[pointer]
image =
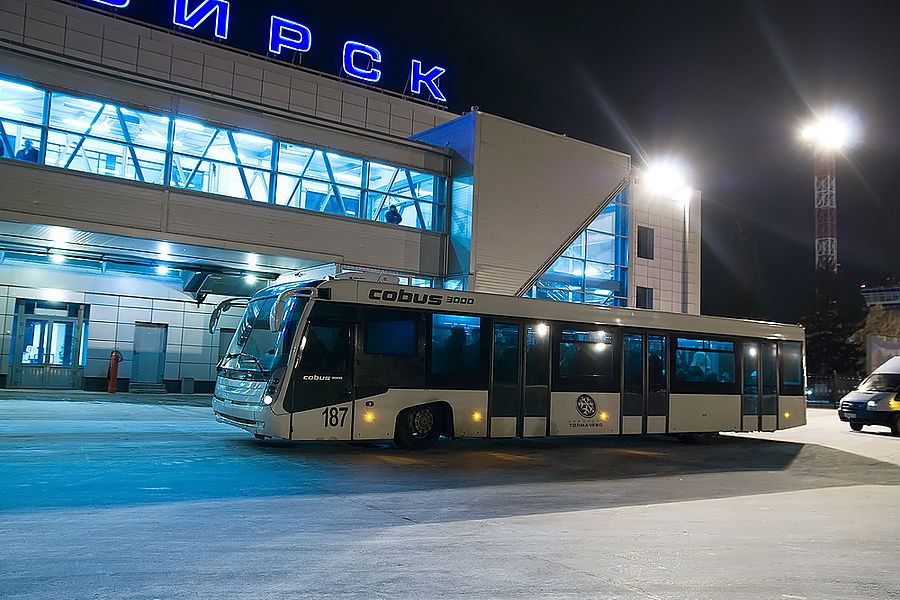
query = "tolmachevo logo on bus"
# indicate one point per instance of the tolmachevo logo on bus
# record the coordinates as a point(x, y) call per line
point(414, 297)
point(587, 408)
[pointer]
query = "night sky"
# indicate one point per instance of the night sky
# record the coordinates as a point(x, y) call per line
point(722, 84)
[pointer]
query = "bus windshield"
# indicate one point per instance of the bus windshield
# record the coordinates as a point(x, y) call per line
point(881, 382)
point(255, 347)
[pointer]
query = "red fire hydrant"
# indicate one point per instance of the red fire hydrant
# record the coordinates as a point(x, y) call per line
point(112, 373)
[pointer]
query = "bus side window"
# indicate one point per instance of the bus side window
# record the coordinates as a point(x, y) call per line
point(391, 335)
point(792, 368)
point(585, 361)
point(392, 351)
point(704, 366)
point(456, 351)
point(324, 349)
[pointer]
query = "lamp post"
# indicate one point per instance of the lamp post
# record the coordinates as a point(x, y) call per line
point(828, 134)
point(669, 179)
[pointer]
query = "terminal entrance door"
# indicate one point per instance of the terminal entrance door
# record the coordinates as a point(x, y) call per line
point(149, 360)
point(519, 403)
point(47, 346)
point(645, 388)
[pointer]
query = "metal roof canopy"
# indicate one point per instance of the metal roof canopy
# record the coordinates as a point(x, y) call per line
point(203, 270)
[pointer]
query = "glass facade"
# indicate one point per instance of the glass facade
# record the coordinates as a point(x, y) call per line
point(594, 268)
point(95, 137)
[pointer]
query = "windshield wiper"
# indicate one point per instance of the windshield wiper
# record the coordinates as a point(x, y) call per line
point(238, 355)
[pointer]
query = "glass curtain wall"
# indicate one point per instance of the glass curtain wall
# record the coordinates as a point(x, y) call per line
point(594, 268)
point(96, 137)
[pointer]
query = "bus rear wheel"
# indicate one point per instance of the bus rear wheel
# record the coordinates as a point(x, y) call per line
point(895, 425)
point(418, 427)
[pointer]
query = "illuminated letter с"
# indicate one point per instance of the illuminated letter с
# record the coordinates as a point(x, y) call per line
point(370, 74)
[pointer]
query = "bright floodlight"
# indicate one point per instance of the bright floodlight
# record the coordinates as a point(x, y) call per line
point(667, 178)
point(833, 131)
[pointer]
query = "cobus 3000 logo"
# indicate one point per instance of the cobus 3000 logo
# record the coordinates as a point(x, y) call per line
point(416, 297)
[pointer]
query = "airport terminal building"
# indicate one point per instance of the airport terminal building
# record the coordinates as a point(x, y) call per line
point(150, 172)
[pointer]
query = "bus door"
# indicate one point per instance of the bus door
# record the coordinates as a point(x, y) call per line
point(320, 394)
point(760, 387)
point(519, 401)
point(645, 388)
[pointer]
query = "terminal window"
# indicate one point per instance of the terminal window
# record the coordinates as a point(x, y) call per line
point(102, 138)
point(645, 242)
point(644, 297)
point(593, 269)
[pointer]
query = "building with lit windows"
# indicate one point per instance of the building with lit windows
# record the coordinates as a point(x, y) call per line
point(148, 174)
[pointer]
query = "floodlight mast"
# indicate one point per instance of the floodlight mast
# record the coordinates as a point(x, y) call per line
point(828, 134)
point(826, 210)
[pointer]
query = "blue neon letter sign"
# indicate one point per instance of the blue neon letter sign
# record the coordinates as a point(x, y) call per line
point(417, 78)
point(203, 11)
point(370, 74)
point(114, 3)
point(285, 33)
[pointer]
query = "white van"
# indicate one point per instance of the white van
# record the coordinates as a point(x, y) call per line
point(877, 399)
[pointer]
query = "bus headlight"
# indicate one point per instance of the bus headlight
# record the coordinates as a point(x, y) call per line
point(267, 399)
point(872, 405)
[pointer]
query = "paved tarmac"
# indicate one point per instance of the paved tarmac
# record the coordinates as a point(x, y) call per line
point(114, 500)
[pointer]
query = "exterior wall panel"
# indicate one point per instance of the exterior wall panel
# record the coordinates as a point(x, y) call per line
point(35, 194)
point(533, 190)
point(46, 25)
point(669, 271)
point(191, 351)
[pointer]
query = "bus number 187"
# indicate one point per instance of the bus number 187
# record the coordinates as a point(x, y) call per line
point(334, 416)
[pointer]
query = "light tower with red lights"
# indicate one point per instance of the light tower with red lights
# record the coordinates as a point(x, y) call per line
point(829, 135)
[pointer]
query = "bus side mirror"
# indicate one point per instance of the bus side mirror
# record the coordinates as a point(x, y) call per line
point(276, 317)
point(223, 306)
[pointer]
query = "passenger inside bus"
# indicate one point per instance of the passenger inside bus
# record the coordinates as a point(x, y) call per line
point(708, 367)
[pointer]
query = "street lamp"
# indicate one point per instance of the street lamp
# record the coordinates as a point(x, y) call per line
point(828, 134)
point(669, 178)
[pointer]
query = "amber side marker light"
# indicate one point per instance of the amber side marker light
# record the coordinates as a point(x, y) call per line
point(369, 417)
point(787, 415)
point(476, 416)
point(604, 416)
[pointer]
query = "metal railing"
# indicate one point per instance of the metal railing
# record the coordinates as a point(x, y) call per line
point(827, 390)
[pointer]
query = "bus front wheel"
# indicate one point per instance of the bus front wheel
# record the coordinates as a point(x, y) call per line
point(856, 426)
point(418, 427)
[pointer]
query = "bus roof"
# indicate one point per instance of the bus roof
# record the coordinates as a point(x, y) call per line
point(439, 300)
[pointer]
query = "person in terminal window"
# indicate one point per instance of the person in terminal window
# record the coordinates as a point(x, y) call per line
point(28, 152)
point(392, 215)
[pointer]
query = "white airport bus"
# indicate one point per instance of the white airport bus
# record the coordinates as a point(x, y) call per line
point(367, 359)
